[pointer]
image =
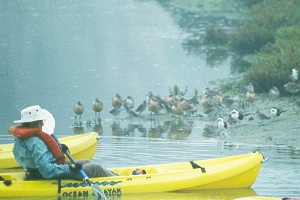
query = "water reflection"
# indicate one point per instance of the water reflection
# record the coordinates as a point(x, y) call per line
point(172, 128)
point(180, 130)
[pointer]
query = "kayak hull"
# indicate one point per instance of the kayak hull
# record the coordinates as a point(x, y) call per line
point(227, 172)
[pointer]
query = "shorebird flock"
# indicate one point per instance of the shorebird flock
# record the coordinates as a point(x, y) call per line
point(225, 109)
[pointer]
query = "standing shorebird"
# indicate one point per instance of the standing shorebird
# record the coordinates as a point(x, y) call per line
point(185, 105)
point(128, 103)
point(237, 116)
point(250, 97)
point(262, 117)
point(276, 112)
point(78, 109)
point(97, 107)
point(153, 105)
point(274, 93)
point(221, 125)
point(116, 101)
point(141, 108)
point(292, 87)
point(176, 109)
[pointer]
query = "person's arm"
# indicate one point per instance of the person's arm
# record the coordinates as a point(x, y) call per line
point(44, 160)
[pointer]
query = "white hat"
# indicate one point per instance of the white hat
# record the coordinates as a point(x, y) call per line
point(33, 113)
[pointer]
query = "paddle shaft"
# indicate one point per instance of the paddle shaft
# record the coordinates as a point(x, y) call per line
point(97, 190)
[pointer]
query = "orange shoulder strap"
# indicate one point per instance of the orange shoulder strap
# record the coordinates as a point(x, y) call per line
point(26, 132)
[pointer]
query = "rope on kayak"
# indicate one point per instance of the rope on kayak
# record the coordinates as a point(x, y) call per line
point(6, 182)
point(196, 166)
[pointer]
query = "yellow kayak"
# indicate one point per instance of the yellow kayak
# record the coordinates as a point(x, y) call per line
point(81, 146)
point(238, 171)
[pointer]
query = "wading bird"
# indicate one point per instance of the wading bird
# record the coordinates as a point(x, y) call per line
point(97, 107)
point(78, 109)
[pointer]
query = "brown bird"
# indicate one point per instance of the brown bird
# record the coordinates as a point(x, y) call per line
point(185, 105)
point(170, 100)
point(207, 102)
point(176, 109)
point(97, 107)
point(250, 97)
point(153, 105)
point(117, 101)
point(78, 109)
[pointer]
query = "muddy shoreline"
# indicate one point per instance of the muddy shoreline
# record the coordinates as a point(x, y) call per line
point(284, 130)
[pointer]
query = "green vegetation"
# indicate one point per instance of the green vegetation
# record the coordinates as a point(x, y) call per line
point(272, 33)
point(274, 64)
point(263, 36)
point(215, 36)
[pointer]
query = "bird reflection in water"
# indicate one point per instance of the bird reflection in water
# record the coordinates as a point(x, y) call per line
point(116, 129)
point(129, 130)
point(98, 129)
point(78, 130)
point(180, 130)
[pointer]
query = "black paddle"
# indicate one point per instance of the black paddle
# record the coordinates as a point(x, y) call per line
point(48, 127)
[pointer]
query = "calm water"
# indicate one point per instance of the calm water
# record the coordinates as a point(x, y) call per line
point(57, 53)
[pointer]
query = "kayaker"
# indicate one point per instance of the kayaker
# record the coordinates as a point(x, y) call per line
point(41, 156)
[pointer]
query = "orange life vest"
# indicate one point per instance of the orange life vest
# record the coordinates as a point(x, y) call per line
point(26, 132)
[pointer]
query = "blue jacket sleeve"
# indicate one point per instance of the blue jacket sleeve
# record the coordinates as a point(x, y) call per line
point(44, 159)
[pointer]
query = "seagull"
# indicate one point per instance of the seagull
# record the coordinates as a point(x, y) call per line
point(294, 75)
point(116, 101)
point(237, 116)
point(274, 92)
point(292, 87)
point(276, 112)
point(262, 116)
point(128, 103)
point(141, 108)
point(78, 109)
point(221, 125)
